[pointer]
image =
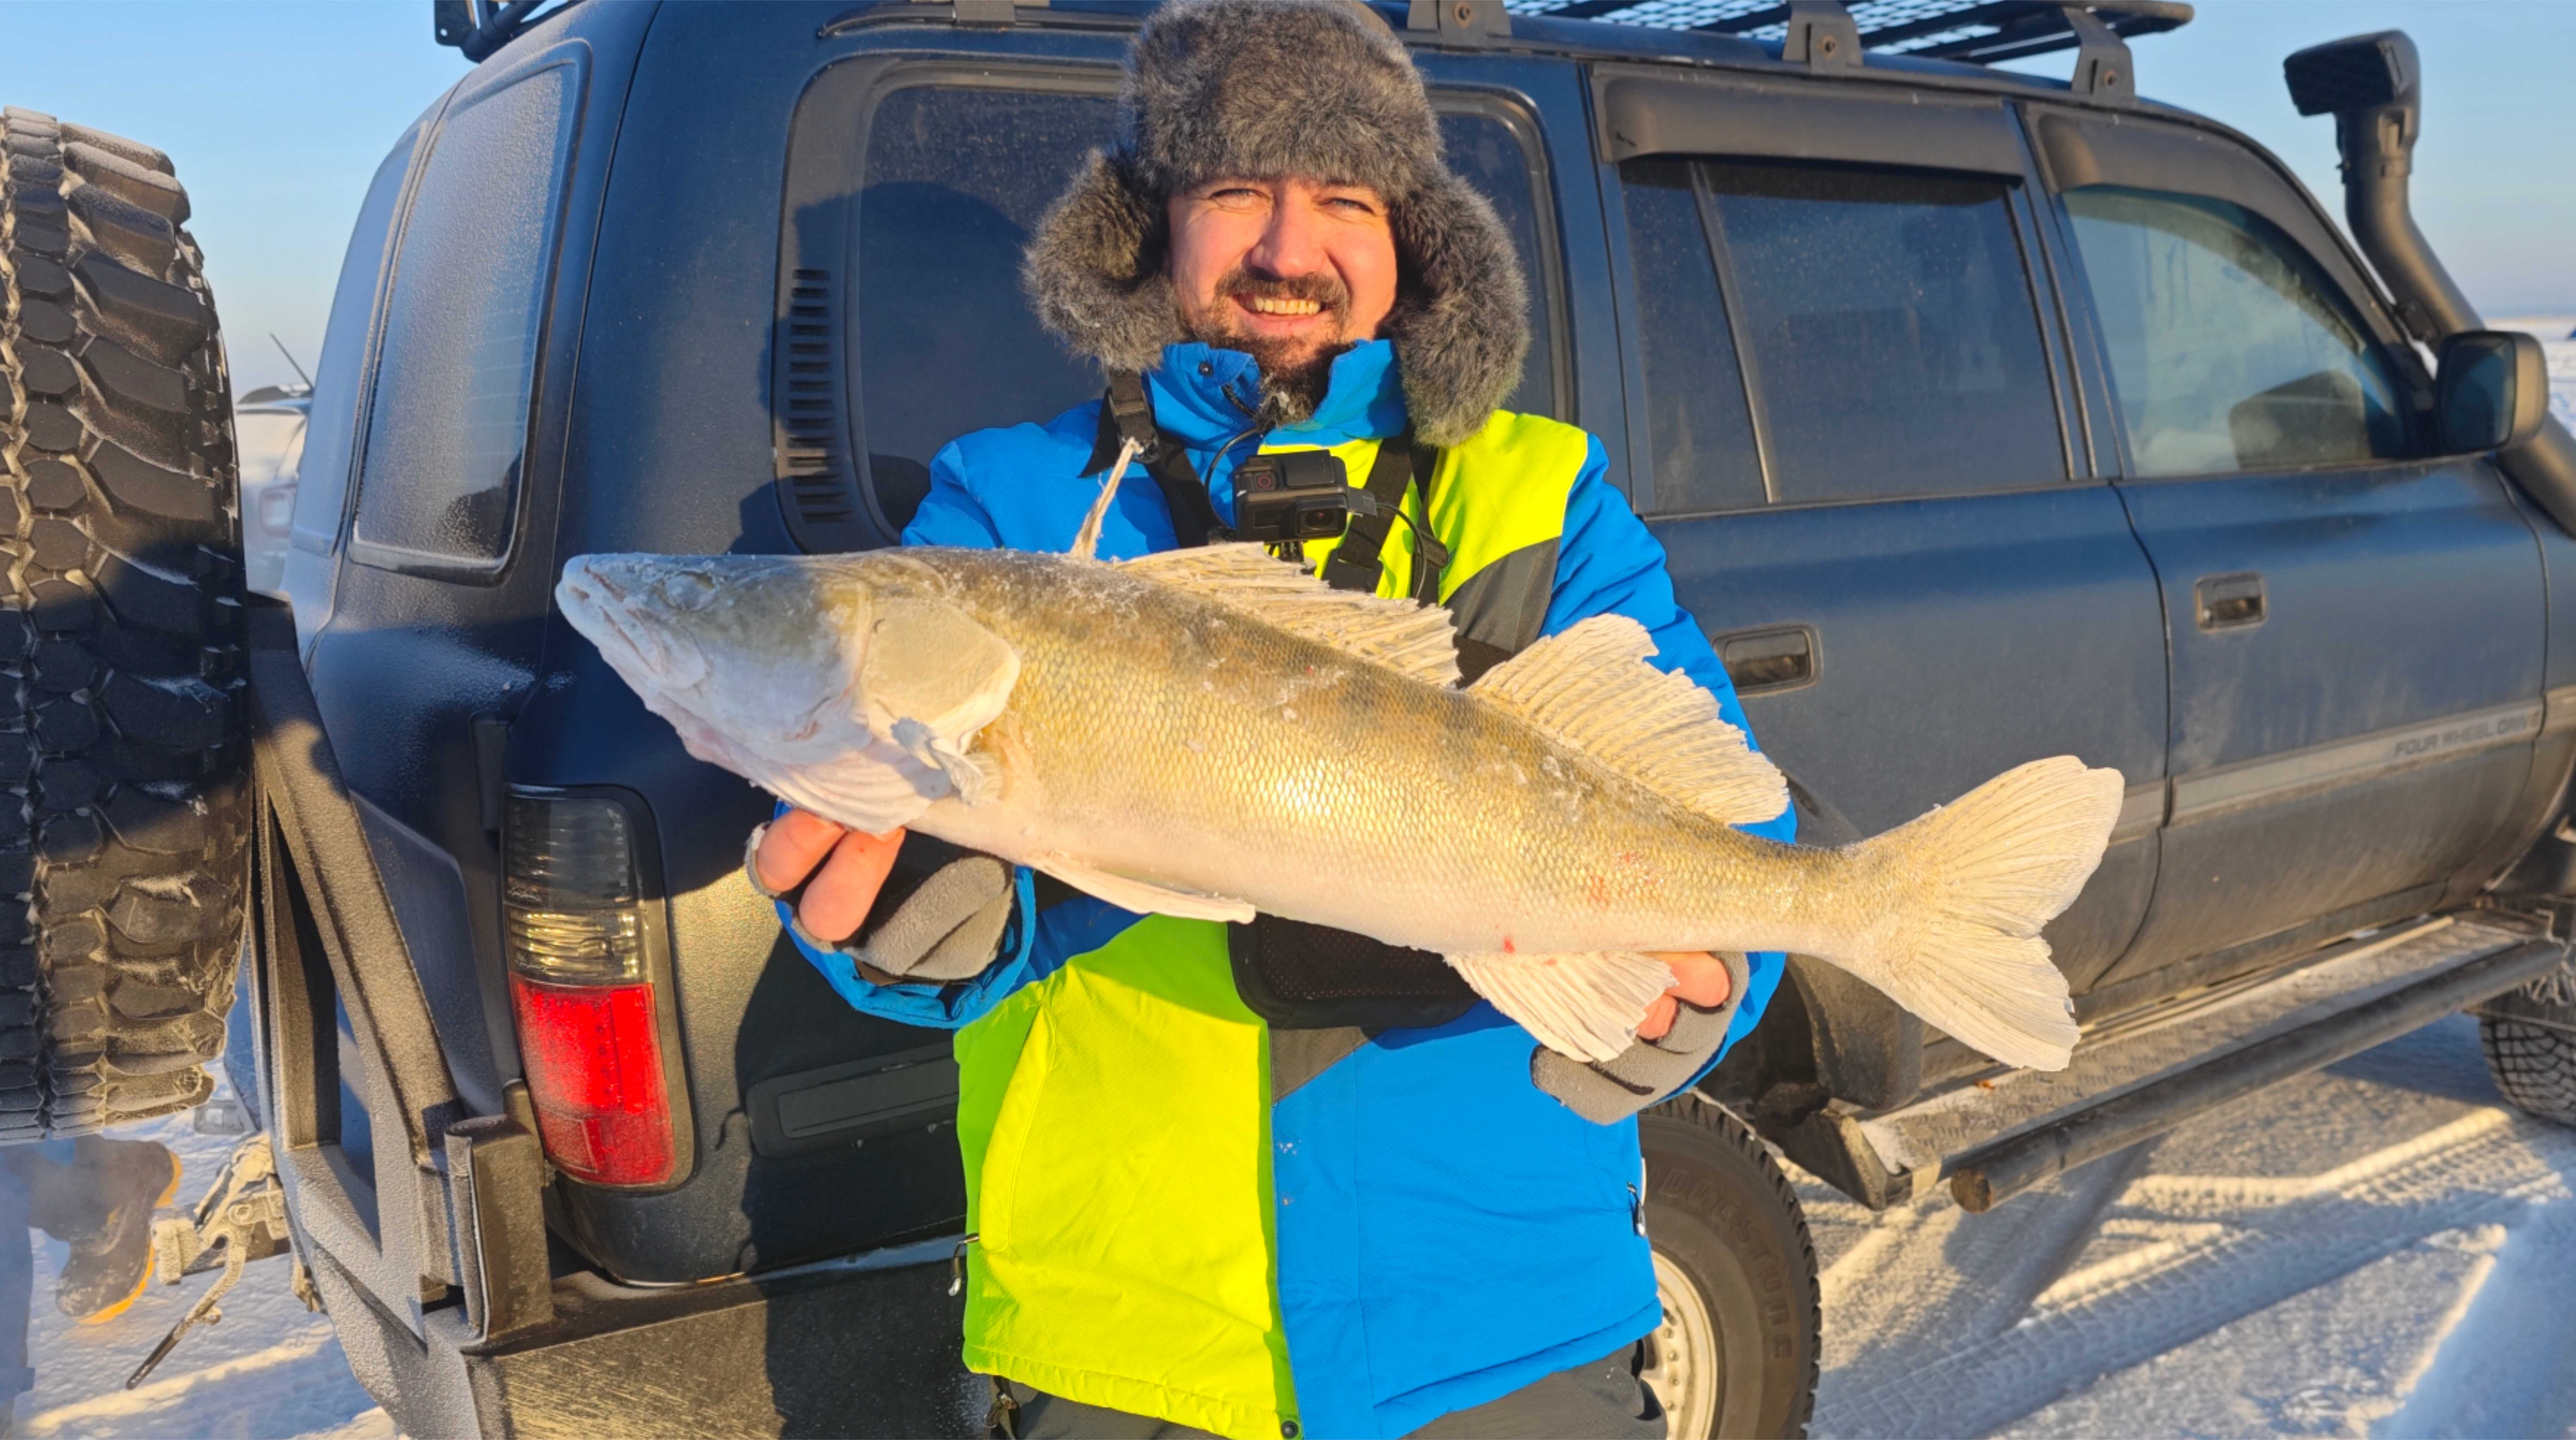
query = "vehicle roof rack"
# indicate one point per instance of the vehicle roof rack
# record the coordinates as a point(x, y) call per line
point(1980, 32)
point(479, 27)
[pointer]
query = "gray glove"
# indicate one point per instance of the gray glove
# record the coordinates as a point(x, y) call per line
point(1608, 1091)
point(939, 918)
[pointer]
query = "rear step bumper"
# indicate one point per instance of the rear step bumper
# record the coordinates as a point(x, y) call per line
point(865, 1346)
point(2141, 1075)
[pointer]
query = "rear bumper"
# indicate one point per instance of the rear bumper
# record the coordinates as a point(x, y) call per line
point(864, 1347)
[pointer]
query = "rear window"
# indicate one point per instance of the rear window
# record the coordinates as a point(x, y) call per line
point(342, 368)
point(1883, 322)
point(954, 179)
point(440, 480)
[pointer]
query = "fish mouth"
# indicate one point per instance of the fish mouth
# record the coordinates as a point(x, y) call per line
point(613, 611)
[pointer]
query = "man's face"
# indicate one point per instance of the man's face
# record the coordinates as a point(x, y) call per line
point(1289, 271)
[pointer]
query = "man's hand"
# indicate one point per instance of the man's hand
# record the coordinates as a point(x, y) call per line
point(1683, 1030)
point(1698, 977)
point(949, 909)
point(854, 868)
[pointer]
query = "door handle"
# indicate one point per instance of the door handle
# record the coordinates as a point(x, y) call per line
point(2228, 602)
point(1781, 657)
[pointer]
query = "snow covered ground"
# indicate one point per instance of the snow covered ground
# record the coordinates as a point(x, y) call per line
point(2380, 1249)
point(268, 1369)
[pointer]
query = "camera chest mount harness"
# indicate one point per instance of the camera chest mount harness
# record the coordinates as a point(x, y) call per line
point(1284, 498)
point(1325, 991)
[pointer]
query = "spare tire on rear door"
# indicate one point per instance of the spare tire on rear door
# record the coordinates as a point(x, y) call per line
point(123, 762)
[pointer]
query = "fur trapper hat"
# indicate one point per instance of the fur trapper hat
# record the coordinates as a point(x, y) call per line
point(1269, 88)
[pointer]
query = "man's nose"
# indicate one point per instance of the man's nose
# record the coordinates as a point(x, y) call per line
point(1291, 244)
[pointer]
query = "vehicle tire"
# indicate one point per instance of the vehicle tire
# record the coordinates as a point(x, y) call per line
point(2534, 1063)
point(122, 747)
point(1737, 1354)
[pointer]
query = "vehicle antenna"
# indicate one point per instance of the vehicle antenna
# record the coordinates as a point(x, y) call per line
point(290, 359)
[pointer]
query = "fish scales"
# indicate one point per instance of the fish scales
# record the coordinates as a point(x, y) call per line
point(1211, 734)
point(1184, 739)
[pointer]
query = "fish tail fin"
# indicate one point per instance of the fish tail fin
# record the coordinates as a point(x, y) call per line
point(1979, 878)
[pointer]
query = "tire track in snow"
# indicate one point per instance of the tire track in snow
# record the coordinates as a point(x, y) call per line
point(2507, 1366)
point(1934, 1324)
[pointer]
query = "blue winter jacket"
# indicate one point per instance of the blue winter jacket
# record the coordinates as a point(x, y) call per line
point(1447, 1231)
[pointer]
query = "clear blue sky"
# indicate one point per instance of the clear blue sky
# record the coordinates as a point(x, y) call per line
point(278, 112)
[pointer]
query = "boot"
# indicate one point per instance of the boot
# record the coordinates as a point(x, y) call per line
point(112, 1262)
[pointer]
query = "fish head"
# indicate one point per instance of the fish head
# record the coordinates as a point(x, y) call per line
point(752, 658)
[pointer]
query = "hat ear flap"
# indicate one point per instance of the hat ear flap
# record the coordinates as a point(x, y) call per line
point(1461, 325)
point(1095, 271)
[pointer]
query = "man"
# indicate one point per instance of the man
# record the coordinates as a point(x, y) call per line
point(1247, 1183)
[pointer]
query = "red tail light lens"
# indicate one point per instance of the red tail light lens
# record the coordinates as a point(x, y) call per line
point(593, 1057)
point(582, 991)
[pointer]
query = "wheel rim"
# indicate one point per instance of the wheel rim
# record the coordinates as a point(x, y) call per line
point(1686, 1370)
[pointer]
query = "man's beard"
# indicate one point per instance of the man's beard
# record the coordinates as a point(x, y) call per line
point(1294, 373)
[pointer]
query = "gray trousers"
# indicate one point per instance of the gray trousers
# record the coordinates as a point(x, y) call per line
point(1601, 1401)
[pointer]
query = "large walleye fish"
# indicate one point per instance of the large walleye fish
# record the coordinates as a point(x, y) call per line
point(1206, 733)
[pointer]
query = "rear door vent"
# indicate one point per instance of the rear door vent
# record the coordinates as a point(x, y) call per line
point(818, 486)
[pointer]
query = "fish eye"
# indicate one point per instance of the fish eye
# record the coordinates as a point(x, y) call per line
point(688, 590)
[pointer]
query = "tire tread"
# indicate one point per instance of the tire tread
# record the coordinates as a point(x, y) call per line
point(124, 818)
point(2534, 1065)
point(1701, 1113)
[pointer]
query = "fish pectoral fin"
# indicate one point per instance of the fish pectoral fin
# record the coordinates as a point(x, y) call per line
point(1590, 687)
point(931, 679)
point(1144, 896)
point(873, 789)
point(971, 778)
point(1415, 639)
point(1585, 1005)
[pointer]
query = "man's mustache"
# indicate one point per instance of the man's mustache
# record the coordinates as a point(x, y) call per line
point(1323, 287)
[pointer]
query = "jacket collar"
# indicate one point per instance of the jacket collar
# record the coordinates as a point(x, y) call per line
point(1204, 397)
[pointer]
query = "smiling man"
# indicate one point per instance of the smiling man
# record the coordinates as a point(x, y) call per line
point(1276, 1180)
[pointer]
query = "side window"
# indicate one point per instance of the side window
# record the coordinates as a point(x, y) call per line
point(1882, 322)
point(1888, 320)
point(1696, 422)
point(440, 479)
point(955, 179)
point(2228, 349)
point(341, 370)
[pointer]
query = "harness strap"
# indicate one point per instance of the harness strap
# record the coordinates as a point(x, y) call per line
point(1127, 413)
point(1357, 562)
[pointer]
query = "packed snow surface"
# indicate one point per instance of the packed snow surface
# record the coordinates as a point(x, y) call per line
point(2382, 1248)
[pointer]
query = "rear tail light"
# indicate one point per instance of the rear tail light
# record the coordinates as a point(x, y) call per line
point(582, 987)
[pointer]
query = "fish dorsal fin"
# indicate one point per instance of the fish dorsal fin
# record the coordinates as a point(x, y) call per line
point(1415, 639)
point(1591, 688)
